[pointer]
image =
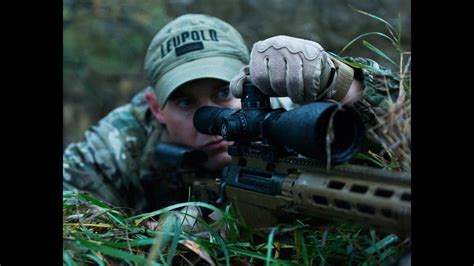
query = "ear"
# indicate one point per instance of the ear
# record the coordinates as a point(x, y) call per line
point(154, 106)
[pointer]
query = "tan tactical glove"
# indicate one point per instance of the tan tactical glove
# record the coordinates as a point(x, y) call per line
point(300, 69)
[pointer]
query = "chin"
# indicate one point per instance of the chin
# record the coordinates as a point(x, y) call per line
point(218, 161)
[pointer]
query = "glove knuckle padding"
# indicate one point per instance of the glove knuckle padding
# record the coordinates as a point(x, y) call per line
point(258, 68)
point(293, 69)
point(277, 73)
point(294, 76)
point(311, 78)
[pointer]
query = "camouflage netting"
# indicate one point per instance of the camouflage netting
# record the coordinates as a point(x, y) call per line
point(393, 130)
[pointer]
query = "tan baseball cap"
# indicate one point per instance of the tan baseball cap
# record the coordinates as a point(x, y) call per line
point(190, 47)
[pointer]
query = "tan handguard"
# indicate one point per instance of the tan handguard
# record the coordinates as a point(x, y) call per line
point(370, 197)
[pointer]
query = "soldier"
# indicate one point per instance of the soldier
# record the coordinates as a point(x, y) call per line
point(190, 63)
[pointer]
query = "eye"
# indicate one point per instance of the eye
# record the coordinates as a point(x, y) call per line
point(184, 103)
point(223, 93)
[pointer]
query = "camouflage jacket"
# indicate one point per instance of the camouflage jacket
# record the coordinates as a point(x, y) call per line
point(114, 161)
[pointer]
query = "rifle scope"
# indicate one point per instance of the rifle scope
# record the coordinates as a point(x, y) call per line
point(303, 129)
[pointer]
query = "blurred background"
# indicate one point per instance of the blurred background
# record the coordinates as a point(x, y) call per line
point(105, 41)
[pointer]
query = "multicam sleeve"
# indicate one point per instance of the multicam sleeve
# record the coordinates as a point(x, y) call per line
point(101, 164)
point(381, 86)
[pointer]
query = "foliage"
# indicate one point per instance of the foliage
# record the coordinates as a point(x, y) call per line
point(96, 233)
point(392, 130)
point(104, 45)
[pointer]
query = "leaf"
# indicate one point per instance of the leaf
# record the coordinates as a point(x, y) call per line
point(230, 226)
point(69, 194)
point(249, 253)
point(363, 156)
point(174, 243)
point(367, 34)
point(144, 216)
point(94, 201)
point(270, 246)
point(89, 225)
point(300, 239)
point(166, 224)
point(379, 52)
point(136, 243)
point(223, 246)
point(113, 214)
point(67, 259)
point(240, 244)
point(382, 243)
point(117, 253)
point(391, 28)
point(95, 258)
point(196, 248)
point(387, 253)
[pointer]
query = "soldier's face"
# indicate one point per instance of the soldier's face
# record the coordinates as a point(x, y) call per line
point(178, 118)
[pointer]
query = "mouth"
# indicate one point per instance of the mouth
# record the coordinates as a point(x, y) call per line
point(214, 145)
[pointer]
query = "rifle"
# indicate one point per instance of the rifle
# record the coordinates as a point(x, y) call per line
point(269, 181)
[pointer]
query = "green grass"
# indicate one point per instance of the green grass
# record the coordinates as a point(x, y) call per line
point(98, 234)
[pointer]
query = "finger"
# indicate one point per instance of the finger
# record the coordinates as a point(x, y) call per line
point(258, 69)
point(235, 86)
point(277, 74)
point(311, 79)
point(238, 81)
point(294, 77)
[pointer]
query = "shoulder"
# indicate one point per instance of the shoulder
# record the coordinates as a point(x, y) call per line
point(124, 128)
point(119, 135)
point(107, 160)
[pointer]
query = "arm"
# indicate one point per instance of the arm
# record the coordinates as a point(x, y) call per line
point(301, 69)
point(354, 93)
point(89, 166)
point(102, 163)
point(379, 87)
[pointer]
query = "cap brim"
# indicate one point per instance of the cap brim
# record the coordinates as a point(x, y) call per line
point(223, 68)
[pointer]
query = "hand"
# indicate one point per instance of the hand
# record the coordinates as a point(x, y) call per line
point(300, 69)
